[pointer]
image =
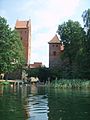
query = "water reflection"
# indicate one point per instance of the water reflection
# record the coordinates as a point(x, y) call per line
point(39, 103)
point(69, 105)
point(1, 90)
point(34, 89)
point(10, 104)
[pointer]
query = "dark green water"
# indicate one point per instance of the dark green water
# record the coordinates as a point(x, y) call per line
point(40, 103)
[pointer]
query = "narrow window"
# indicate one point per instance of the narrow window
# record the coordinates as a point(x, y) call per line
point(54, 53)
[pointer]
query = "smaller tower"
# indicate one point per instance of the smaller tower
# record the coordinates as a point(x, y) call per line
point(55, 49)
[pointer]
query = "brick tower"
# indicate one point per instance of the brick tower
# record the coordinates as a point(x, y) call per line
point(24, 28)
point(55, 48)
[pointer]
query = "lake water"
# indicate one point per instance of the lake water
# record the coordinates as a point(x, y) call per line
point(42, 103)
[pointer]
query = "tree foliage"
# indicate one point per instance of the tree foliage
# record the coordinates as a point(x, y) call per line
point(86, 63)
point(11, 48)
point(42, 73)
point(72, 36)
point(76, 55)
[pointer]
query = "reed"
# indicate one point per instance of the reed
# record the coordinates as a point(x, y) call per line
point(74, 83)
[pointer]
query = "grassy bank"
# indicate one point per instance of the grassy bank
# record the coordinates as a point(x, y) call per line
point(75, 83)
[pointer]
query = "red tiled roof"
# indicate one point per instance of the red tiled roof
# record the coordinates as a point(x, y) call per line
point(36, 65)
point(55, 39)
point(21, 24)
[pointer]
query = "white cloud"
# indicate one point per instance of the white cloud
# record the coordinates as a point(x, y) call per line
point(56, 10)
point(47, 13)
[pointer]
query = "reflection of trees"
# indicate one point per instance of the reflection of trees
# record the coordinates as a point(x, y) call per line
point(68, 105)
point(1, 90)
point(21, 104)
point(11, 104)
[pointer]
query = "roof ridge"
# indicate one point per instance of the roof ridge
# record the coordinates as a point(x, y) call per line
point(55, 39)
point(22, 24)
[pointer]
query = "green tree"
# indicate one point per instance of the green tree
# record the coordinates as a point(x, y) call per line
point(86, 63)
point(55, 73)
point(72, 36)
point(11, 48)
point(42, 73)
point(32, 72)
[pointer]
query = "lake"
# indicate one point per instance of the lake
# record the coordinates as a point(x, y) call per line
point(43, 103)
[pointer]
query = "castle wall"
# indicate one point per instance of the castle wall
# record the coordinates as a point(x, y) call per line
point(54, 55)
point(24, 38)
point(24, 29)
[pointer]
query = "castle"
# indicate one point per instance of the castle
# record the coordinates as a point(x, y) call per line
point(55, 45)
point(24, 29)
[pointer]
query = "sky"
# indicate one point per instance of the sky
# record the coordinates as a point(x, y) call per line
point(45, 17)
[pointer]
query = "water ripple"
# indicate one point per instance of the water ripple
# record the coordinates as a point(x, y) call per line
point(38, 107)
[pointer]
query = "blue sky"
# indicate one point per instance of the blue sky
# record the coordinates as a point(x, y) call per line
point(45, 17)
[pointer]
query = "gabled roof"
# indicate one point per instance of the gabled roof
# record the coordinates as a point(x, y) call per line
point(21, 24)
point(55, 39)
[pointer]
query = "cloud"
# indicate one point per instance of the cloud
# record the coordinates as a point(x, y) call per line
point(51, 14)
point(45, 13)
